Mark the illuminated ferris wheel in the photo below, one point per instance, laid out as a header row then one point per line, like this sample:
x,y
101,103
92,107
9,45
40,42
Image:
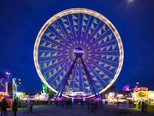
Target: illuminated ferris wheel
x,y
78,50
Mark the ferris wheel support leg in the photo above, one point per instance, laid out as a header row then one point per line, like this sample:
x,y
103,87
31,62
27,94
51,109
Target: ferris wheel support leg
x,y
60,92
89,79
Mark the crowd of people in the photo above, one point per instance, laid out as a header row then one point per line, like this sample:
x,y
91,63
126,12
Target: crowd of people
x,y
142,105
92,104
15,105
4,106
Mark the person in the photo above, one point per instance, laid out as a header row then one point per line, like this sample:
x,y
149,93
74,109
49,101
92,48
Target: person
x,y
143,106
4,106
15,107
30,105
139,104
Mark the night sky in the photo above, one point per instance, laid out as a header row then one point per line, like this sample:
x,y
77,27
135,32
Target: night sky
x,y
21,20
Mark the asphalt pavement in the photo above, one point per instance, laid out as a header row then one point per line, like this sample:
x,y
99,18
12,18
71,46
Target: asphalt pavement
x,y
79,110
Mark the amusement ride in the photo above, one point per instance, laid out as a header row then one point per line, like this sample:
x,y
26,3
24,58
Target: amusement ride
x,y
78,52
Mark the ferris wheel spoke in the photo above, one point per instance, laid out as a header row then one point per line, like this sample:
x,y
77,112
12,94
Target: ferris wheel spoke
x,y
51,45
59,33
89,78
108,46
103,66
106,41
85,23
51,39
59,58
61,74
51,52
68,38
93,42
82,72
108,65
59,51
74,20
47,55
87,27
108,59
96,79
92,30
79,27
53,33
97,31
67,28
51,65
101,79
68,76
96,71
74,81
111,56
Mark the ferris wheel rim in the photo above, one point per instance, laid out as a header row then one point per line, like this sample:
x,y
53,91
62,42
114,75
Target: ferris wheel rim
x,y
72,11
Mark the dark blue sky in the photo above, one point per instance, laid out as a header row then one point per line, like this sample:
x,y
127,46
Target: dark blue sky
x,y
21,20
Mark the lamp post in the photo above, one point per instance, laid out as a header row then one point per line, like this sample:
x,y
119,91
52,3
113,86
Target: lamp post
x,y
18,83
8,76
7,83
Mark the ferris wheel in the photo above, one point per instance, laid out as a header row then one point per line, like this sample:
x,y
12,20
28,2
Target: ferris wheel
x,y
78,50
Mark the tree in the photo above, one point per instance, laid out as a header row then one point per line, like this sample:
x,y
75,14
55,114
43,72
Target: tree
x,y
51,94
46,90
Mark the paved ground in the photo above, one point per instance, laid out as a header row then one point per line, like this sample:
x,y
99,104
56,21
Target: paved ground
x,y
78,110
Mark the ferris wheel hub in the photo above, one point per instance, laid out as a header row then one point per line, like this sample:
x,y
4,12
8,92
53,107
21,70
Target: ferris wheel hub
x,y
78,51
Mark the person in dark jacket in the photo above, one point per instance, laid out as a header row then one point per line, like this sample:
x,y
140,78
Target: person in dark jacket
x,y
15,107
4,106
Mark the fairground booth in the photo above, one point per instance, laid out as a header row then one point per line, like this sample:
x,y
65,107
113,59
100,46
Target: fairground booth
x,y
143,94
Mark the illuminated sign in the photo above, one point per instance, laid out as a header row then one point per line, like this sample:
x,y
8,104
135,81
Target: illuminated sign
x,y
142,94
141,89
78,51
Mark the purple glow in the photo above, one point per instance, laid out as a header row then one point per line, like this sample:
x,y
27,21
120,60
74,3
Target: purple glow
x,y
126,88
